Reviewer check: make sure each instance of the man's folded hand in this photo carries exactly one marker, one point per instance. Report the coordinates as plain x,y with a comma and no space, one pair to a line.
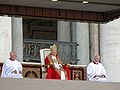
14,71
20,72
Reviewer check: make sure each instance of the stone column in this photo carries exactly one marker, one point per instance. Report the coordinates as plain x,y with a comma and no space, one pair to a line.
17,37
63,31
82,38
110,48
5,37
73,31
94,39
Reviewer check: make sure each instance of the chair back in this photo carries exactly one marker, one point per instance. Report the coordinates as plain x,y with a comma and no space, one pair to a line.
43,54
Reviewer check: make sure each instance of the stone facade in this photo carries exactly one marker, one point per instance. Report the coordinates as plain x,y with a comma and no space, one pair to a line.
5,37
92,38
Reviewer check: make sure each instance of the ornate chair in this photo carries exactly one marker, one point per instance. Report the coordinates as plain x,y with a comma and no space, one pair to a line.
43,54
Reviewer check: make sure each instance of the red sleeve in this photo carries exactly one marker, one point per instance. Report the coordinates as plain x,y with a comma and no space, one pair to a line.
47,62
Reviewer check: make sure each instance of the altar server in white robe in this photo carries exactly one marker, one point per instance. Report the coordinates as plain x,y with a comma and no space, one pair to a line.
12,68
96,71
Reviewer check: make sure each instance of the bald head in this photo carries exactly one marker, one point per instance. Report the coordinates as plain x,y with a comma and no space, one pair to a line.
13,55
97,58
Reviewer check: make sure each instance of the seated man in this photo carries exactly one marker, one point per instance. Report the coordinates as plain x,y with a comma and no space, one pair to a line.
96,71
55,68
12,68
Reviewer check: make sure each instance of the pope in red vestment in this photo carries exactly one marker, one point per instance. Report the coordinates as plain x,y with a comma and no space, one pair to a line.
54,67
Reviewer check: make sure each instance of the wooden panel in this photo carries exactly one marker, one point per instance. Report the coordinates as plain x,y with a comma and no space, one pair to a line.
0,9
22,11
14,10
107,16
78,73
4,9
116,14
111,15
70,14
38,11
46,12
32,70
100,16
63,14
78,15
85,15
59,13
30,11
55,13
93,16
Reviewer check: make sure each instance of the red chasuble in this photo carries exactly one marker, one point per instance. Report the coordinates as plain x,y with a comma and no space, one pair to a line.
53,73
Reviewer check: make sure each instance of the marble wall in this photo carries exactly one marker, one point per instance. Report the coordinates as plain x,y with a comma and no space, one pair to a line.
11,37
110,48
5,37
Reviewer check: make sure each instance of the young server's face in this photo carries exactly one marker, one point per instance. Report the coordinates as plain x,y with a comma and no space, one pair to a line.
97,58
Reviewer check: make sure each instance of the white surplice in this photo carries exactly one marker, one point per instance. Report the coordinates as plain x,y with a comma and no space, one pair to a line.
8,68
58,66
96,69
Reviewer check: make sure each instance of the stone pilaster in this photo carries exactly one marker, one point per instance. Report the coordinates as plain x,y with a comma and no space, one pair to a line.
17,37
63,31
94,39
82,38
73,31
